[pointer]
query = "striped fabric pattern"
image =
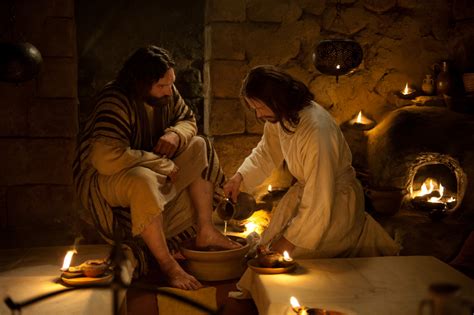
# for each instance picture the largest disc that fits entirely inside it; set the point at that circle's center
(118, 117)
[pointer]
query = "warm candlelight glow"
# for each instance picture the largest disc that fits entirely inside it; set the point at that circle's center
(269, 187)
(294, 303)
(67, 259)
(250, 227)
(407, 90)
(338, 67)
(286, 256)
(361, 121)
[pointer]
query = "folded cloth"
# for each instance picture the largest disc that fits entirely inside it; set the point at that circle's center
(168, 305)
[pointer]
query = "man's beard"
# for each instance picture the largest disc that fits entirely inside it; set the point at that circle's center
(157, 101)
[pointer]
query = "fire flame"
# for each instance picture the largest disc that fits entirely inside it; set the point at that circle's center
(258, 222)
(294, 303)
(67, 259)
(406, 90)
(286, 256)
(269, 188)
(359, 117)
(250, 227)
(429, 186)
(338, 67)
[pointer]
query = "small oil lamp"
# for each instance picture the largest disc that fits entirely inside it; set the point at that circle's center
(407, 92)
(361, 122)
(68, 259)
(303, 310)
(276, 191)
(296, 307)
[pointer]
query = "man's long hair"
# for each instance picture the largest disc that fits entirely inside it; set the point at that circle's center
(144, 67)
(283, 94)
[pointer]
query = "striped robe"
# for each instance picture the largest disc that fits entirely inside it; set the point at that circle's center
(119, 120)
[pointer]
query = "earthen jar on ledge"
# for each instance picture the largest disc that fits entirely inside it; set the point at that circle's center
(444, 79)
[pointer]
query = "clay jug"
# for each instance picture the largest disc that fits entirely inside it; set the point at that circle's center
(428, 86)
(443, 81)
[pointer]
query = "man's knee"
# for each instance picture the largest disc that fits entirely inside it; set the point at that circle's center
(197, 144)
(140, 177)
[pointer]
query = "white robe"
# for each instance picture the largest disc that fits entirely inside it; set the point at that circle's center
(323, 213)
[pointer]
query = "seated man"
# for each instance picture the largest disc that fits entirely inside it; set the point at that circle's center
(142, 171)
(322, 214)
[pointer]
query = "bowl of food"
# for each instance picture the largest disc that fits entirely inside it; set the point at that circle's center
(215, 264)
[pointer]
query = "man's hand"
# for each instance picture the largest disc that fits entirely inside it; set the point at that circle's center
(167, 145)
(173, 174)
(232, 187)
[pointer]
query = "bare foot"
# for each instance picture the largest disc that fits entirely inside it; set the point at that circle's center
(211, 237)
(178, 278)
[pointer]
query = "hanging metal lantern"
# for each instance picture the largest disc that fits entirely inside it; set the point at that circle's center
(19, 62)
(337, 56)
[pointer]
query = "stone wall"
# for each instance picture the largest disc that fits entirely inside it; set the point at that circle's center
(401, 41)
(38, 125)
(109, 30)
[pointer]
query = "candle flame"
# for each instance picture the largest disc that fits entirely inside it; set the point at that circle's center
(250, 227)
(294, 303)
(269, 187)
(338, 67)
(286, 256)
(406, 90)
(359, 117)
(67, 259)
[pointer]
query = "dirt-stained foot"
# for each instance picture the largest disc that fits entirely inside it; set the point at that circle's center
(178, 278)
(212, 238)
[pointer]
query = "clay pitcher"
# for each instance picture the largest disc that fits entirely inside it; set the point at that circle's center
(444, 81)
(428, 86)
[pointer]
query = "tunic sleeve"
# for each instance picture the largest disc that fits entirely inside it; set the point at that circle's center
(263, 159)
(111, 156)
(318, 157)
(183, 121)
(110, 133)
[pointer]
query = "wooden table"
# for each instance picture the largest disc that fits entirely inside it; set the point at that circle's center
(27, 273)
(376, 285)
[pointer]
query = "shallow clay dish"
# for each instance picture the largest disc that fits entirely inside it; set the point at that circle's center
(80, 281)
(255, 266)
(215, 265)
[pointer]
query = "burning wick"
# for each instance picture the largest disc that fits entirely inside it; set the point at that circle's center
(67, 259)
(297, 308)
(286, 256)
(407, 90)
(269, 188)
(361, 122)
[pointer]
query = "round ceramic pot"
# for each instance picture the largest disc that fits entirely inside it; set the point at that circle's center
(215, 265)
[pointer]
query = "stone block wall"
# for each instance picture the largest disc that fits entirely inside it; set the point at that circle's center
(38, 126)
(401, 40)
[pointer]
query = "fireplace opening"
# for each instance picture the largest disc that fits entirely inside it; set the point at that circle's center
(436, 183)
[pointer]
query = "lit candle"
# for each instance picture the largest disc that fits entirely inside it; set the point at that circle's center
(296, 307)
(407, 92)
(67, 259)
(269, 188)
(338, 67)
(286, 256)
(361, 122)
